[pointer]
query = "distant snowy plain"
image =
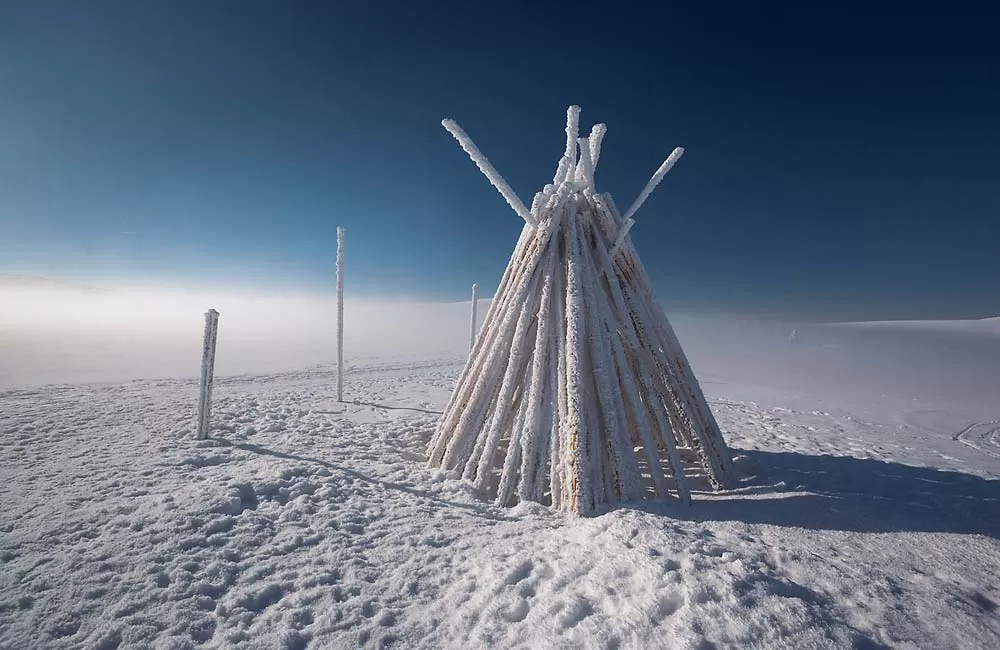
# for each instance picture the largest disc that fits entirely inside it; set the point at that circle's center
(868, 514)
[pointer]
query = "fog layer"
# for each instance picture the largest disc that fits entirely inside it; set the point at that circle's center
(68, 336)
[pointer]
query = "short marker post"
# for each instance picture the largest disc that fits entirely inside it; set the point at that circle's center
(207, 373)
(472, 325)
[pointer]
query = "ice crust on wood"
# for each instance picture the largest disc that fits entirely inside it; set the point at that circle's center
(576, 392)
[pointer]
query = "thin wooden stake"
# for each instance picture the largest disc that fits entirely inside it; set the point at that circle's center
(472, 324)
(207, 373)
(340, 314)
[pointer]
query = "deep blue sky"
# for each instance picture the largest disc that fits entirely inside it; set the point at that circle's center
(842, 162)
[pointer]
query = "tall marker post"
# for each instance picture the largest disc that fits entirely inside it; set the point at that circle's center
(472, 325)
(207, 372)
(340, 314)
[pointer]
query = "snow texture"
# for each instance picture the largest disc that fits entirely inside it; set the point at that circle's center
(864, 516)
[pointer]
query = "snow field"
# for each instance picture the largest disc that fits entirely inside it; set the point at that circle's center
(307, 523)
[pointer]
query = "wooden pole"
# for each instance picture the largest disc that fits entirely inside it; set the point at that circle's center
(472, 325)
(207, 372)
(488, 170)
(340, 314)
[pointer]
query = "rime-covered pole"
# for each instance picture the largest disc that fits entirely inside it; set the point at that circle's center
(585, 170)
(472, 320)
(654, 181)
(597, 133)
(488, 170)
(622, 233)
(572, 131)
(207, 373)
(340, 314)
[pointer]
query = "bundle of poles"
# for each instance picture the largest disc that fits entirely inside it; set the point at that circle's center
(577, 392)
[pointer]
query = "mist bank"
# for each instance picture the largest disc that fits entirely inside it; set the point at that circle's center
(50, 336)
(64, 336)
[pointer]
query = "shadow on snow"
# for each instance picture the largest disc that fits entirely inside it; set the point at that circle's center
(477, 509)
(845, 493)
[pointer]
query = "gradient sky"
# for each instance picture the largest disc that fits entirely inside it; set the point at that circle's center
(842, 162)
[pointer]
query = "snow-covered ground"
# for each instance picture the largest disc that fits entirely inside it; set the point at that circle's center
(868, 514)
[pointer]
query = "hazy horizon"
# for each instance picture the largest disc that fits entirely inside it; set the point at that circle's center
(66, 335)
(210, 292)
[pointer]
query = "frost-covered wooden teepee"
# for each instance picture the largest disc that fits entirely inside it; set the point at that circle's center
(577, 392)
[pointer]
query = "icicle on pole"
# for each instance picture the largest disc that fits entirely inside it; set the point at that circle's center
(488, 170)
(654, 181)
(207, 373)
(340, 314)
(472, 320)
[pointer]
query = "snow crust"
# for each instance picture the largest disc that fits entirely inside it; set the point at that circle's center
(866, 515)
